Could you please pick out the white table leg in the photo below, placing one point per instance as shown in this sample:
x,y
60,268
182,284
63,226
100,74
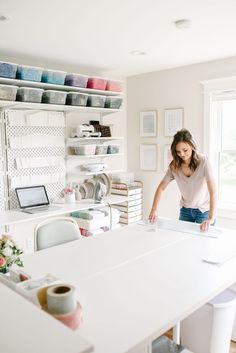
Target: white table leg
x,y
176,333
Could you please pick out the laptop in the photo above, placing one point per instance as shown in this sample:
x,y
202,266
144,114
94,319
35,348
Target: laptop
x,y
34,199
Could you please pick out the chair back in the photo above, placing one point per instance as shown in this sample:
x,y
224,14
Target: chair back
x,y
55,231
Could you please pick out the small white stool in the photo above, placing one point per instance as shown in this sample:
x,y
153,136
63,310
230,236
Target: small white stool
x,y
209,329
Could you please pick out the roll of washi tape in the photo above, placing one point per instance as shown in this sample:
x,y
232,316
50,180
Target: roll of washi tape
x,y
61,299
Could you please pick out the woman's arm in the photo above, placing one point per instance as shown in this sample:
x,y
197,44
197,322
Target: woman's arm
x,y
211,217
153,213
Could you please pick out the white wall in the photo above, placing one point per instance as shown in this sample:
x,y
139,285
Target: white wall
x,y
159,90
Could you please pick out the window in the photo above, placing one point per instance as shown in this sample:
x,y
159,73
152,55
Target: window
x,y
220,140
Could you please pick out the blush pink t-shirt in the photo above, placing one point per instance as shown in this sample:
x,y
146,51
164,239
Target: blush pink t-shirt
x,y
193,189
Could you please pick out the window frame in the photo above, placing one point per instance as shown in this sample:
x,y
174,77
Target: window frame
x,y
212,88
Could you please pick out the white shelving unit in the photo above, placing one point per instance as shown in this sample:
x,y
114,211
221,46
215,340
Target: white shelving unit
x,y
82,112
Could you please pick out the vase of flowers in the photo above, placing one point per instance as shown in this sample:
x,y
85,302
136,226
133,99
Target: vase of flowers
x,y
9,253
69,194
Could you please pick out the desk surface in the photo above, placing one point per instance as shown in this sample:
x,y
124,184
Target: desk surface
x,y
16,216
134,285
93,255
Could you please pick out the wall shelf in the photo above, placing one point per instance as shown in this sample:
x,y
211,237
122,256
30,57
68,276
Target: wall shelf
x,y
94,155
54,107
24,83
83,174
75,141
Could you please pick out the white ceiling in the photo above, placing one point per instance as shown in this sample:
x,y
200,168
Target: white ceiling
x,y
101,34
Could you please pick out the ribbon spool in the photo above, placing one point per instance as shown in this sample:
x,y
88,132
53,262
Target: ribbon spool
x,y
61,299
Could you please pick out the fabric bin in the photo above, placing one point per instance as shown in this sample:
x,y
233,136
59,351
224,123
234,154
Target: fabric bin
x,y
29,73
29,94
8,69
76,80
8,92
101,149
97,83
85,149
113,102
54,76
164,345
76,98
54,97
113,86
96,101
112,149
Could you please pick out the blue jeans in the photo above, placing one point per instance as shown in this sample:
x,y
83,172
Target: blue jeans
x,y
192,215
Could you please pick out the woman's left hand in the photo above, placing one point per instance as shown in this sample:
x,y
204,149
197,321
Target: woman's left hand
x,y
204,226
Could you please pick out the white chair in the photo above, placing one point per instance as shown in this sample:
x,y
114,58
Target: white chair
x,y
55,231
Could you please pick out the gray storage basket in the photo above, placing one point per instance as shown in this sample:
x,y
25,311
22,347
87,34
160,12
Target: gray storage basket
x,y
164,345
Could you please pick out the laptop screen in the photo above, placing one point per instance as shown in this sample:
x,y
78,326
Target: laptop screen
x,y
32,196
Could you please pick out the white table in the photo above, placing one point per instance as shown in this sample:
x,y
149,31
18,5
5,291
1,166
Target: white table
x,y
90,256
134,285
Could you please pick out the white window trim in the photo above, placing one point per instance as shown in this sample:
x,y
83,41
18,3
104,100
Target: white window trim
x,y
211,87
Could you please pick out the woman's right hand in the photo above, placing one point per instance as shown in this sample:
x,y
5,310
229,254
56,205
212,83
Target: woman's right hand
x,y
152,216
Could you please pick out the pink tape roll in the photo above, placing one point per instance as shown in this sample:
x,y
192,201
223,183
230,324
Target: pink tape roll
x,y
73,320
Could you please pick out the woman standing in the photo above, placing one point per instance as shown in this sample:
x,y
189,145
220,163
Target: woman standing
x,y
194,177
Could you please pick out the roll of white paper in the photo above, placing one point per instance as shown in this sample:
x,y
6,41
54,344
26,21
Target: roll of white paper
x,y
61,298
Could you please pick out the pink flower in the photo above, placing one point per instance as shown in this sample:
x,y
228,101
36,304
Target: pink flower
x,y
68,190
2,261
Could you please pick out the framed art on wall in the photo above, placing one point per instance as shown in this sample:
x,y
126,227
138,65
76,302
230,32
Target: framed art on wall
x,y
148,157
148,123
174,120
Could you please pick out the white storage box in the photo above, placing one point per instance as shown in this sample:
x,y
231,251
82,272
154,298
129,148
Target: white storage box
x,y
54,97
96,101
101,149
94,167
85,149
54,76
113,149
29,94
8,92
29,73
77,98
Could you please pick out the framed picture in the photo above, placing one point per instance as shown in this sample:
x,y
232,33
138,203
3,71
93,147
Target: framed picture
x,y
148,123
148,157
173,121
167,158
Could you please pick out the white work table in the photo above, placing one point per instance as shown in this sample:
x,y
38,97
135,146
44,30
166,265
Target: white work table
x,y
90,256
17,216
134,284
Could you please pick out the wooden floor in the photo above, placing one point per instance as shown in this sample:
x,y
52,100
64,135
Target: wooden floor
x,y
233,347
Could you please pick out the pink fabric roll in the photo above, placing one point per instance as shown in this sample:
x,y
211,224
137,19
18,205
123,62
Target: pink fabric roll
x,y
73,319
